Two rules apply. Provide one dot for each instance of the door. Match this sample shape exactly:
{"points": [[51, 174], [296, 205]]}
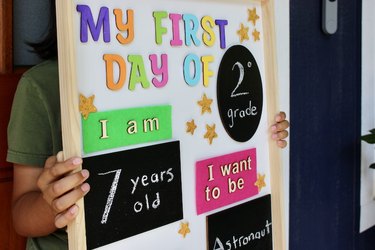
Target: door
{"points": [[325, 99], [9, 77]]}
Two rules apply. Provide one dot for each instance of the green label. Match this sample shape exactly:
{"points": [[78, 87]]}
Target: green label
{"points": [[118, 128]]}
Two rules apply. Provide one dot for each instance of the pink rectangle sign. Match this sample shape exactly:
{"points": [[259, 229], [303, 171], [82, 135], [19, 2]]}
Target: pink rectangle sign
{"points": [[226, 179]]}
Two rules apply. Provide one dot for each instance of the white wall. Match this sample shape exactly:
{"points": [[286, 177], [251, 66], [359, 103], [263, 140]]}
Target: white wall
{"points": [[282, 36], [368, 117]]}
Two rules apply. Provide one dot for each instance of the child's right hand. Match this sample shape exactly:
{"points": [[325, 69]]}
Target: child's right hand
{"points": [[62, 188]]}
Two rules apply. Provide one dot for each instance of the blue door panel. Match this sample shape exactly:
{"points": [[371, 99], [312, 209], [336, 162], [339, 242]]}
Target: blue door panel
{"points": [[325, 118]]}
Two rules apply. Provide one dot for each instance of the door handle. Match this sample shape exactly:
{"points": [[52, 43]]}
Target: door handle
{"points": [[329, 16]]}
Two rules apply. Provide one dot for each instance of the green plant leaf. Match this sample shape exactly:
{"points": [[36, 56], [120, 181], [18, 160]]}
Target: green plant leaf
{"points": [[372, 166], [372, 131], [370, 138]]}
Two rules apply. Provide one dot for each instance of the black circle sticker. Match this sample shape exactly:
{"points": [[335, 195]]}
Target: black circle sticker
{"points": [[239, 93]]}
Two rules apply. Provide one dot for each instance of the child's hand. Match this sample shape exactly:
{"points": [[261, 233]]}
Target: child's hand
{"points": [[279, 130], [61, 188]]}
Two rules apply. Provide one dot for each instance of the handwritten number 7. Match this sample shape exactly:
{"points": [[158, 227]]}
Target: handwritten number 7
{"points": [[240, 79], [111, 195]]}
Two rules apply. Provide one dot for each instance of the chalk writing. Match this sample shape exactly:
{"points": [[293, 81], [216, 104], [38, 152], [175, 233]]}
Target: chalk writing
{"points": [[138, 206], [239, 93], [167, 176], [112, 193], [139, 190], [240, 79], [240, 113], [236, 242], [243, 227]]}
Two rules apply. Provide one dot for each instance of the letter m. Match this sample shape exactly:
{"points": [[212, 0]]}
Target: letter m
{"points": [[87, 22], [150, 124]]}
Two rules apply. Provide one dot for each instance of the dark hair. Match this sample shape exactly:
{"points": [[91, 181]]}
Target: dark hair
{"points": [[46, 48]]}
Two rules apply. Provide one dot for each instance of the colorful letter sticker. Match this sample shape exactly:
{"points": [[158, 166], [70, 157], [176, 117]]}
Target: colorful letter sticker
{"points": [[226, 179], [118, 128]]}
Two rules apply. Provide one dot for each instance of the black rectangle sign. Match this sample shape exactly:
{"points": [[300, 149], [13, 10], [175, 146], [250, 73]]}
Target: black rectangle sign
{"points": [[132, 192], [244, 227]]}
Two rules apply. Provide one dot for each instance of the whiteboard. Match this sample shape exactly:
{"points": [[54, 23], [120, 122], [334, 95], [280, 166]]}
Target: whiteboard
{"points": [[204, 72]]}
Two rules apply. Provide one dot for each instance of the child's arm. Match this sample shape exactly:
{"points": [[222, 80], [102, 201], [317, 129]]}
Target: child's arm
{"points": [[279, 130], [44, 199]]}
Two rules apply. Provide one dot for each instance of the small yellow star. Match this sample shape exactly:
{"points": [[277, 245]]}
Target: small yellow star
{"points": [[205, 103], [243, 33], [210, 133], [256, 35], [253, 17], [184, 229], [260, 183], [190, 127], [86, 105]]}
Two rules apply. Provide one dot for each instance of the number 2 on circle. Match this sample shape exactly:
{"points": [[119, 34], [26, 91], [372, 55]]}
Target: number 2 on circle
{"points": [[240, 79]]}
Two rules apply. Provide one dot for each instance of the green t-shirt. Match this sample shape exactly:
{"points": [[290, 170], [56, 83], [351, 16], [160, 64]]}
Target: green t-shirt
{"points": [[34, 131]]}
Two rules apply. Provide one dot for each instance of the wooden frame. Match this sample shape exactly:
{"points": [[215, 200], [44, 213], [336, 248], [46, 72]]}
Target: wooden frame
{"points": [[277, 184], [70, 125], [71, 118]]}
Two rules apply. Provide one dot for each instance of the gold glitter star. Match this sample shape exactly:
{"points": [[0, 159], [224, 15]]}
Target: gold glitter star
{"points": [[86, 105], [190, 127], [256, 35], [210, 133], [205, 103], [260, 183], [184, 229], [243, 33], [253, 17]]}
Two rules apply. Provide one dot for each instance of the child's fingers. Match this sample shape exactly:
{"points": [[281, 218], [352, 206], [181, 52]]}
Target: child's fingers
{"points": [[280, 135], [281, 116], [279, 130], [280, 126], [282, 143], [62, 186], [62, 168], [57, 170], [50, 162], [63, 219], [67, 200], [60, 156]]}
